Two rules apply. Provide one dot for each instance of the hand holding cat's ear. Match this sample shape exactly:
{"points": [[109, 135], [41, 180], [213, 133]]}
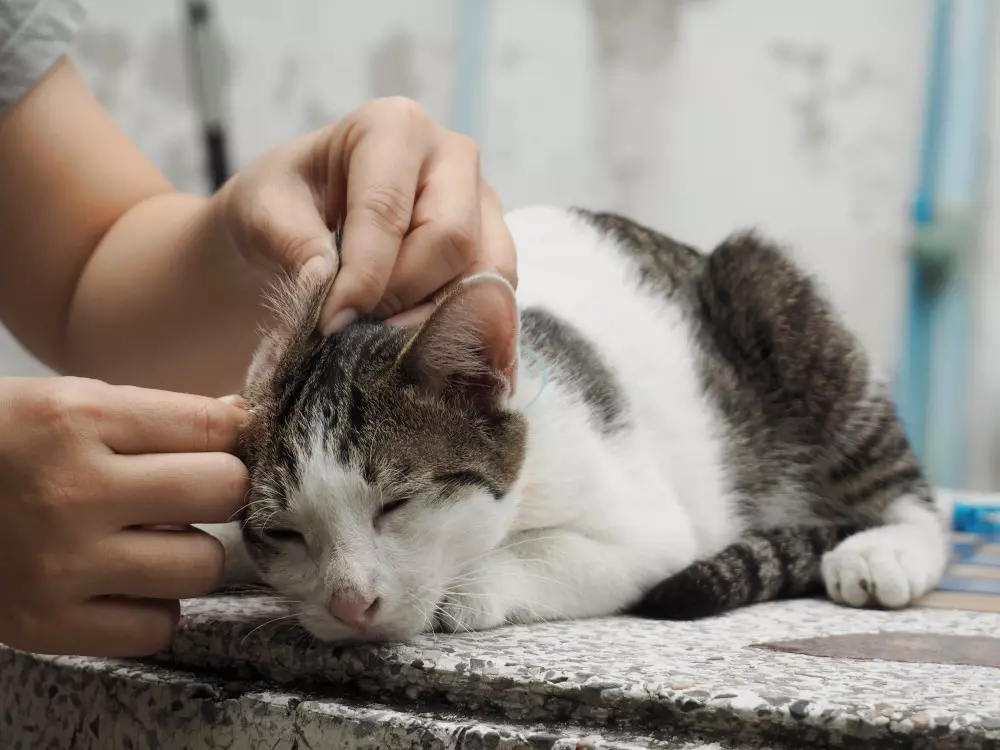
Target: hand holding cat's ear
{"points": [[97, 480], [417, 216]]}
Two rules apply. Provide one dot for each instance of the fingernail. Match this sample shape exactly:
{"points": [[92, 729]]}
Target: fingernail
{"points": [[234, 400], [340, 321], [412, 318], [317, 267]]}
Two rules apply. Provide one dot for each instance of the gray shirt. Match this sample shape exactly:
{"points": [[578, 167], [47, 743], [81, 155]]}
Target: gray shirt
{"points": [[34, 34]]}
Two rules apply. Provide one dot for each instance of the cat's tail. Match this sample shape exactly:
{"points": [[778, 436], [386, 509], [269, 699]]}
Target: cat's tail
{"points": [[778, 563]]}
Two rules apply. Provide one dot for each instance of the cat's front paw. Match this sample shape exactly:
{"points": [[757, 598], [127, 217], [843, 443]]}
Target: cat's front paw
{"points": [[468, 609], [889, 566], [460, 613]]}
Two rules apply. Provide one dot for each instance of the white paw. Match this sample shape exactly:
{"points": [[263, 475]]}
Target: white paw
{"points": [[478, 598], [469, 608], [888, 566]]}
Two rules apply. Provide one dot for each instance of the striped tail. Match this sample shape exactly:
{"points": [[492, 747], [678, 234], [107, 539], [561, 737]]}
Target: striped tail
{"points": [[760, 566]]}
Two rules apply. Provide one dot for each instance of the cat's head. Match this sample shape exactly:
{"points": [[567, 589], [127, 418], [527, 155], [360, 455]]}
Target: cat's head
{"points": [[381, 458]]}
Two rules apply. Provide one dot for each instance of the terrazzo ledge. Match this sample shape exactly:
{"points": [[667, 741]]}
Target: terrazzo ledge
{"points": [[235, 679]]}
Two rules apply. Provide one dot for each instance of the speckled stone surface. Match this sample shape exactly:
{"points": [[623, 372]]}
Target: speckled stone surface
{"points": [[634, 683], [98, 704]]}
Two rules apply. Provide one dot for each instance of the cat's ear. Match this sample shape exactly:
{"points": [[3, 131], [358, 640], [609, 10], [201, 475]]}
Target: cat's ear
{"points": [[295, 304], [468, 348], [266, 358]]}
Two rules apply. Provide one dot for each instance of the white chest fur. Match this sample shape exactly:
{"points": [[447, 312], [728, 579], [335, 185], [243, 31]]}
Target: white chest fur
{"points": [[653, 494]]}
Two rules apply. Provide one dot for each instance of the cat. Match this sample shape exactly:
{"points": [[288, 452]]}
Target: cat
{"points": [[642, 428]]}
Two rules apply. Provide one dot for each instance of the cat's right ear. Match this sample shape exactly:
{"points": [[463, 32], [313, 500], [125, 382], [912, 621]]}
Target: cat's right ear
{"points": [[468, 348]]}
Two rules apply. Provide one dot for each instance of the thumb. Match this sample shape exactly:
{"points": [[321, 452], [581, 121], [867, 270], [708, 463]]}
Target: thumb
{"points": [[280, 226]]}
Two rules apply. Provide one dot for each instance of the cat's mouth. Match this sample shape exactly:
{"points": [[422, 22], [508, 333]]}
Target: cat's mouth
{"points": [[328, 629]]}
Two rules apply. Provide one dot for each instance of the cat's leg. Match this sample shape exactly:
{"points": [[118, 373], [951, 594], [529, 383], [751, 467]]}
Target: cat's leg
{"points": [[238, 570], [893, 565], [871, 476], [832, 425], [540, 576]]}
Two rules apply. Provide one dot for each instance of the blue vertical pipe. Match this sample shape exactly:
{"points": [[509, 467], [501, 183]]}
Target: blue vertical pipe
{"points": [[470, 80], [913, 382], [957, 201], [933, 376]]}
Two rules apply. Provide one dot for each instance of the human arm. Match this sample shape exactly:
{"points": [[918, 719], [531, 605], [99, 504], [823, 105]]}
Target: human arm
{"points": [[106, 271]]}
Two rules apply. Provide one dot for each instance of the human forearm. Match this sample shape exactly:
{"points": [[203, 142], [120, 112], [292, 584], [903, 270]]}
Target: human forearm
{"points": [[164, 302], [104, 269]]}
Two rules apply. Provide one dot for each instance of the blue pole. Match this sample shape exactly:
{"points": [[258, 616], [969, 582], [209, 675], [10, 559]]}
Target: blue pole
{"points": [[957, 202], [913, 384], [473, 36]]}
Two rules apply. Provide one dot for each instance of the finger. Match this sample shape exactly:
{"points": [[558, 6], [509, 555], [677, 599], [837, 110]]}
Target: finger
{"points": [[414, 316], [176, 488], [160, 564], [444, 242], [137, 420], [234, 399], [284, 224], [382, 172], [499, 256], [112, 628], [498, 252]]}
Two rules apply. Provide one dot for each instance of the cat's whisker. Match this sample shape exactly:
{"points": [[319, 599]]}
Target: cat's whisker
{"points": [[424, 603], [256, 513], [265, 624], [471, 580], [509, 546], [249, 502]]}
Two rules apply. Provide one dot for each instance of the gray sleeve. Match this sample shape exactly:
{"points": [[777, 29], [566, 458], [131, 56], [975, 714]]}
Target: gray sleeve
{"points": [[34, 34]]}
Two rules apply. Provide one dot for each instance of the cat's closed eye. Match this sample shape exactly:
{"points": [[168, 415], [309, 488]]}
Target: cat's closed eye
{"points": [[284, 535], [392, 506]]}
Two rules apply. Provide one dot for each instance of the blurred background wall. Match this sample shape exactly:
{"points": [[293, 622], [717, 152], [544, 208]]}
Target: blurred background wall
{"points": [[800, 117]]}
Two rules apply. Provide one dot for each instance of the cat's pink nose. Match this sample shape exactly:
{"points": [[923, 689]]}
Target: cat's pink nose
{"points": [[354, 610]]}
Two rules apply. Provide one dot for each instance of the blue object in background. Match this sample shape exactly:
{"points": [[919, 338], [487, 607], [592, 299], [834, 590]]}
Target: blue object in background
{"points": [[470, 77], [976, 519], [933, 376]]}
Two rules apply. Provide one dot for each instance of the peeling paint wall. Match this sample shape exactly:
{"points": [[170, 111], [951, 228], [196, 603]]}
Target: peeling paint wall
{"points": [[700, 117], [801, 117]]}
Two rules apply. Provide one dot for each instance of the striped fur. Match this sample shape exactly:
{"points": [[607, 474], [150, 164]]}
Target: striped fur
{"points": [[692, 433], [761, 566], [807, 423]]}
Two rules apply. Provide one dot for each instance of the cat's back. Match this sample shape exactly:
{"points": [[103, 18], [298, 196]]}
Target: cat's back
{"points": [[627, 290], [565, 254], [630, 294]]}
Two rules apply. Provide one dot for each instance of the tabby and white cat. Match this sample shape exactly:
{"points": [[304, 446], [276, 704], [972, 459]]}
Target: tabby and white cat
{"points": [[643, 429]]}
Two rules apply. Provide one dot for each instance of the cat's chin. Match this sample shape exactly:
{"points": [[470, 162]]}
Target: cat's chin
{"points": [[325, 628]]}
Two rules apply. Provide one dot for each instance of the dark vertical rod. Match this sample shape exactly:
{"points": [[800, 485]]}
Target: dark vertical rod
{"points": [[206, 83]]}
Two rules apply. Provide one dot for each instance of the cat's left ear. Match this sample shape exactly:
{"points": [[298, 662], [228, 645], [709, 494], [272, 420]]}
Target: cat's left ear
{"points": [[468, 348], [296, 303]]}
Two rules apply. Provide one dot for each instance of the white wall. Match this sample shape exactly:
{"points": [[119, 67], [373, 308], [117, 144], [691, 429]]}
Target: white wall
{"points": [[983, 407], [800, 117]]}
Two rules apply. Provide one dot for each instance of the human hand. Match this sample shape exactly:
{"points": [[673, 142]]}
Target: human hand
{"points": [[417, 215], [82, 465]]}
